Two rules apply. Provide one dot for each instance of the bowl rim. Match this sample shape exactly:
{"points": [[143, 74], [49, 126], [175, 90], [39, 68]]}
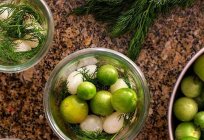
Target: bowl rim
{"points": [[43, 51], [171, 102], [74, 55]]}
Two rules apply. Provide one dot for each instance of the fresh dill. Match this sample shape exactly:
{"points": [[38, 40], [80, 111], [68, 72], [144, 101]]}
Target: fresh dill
{"points": [[62, 91], [124, 16], [23, 23], [85, 135]]}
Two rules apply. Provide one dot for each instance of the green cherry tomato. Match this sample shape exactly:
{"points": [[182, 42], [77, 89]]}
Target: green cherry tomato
{"points": [[187, 129], [199, 119], [191, 86], [86, 90], [185, 109], [124, 100], [107, 75], [198, 67], [101, 103], [73, 109]]}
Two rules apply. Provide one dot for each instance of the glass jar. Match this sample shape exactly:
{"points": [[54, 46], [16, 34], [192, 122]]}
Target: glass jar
{"points": [[93, 56], [48, 24]]}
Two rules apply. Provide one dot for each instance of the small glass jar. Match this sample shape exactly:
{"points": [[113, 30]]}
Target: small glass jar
{"points": [[48, 24], [93, 56]]}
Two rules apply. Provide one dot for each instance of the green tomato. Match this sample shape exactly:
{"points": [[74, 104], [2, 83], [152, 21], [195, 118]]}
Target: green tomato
{"points": [[101, 103], [191, 86], [198, 67], [107, 75], [86, 90], [187, 129], [124, 100], [185, 108], [73, 109], [199, 119]]}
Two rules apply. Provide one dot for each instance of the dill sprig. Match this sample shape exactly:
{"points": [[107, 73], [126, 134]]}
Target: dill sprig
{"points": [[7, 51], [15, 28], [103, 10], [134, 16], [62, 91]]}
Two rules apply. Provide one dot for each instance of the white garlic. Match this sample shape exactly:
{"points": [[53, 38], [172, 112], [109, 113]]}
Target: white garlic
{"points": [[21, 46], [91, 69], [120, 83], [32, 42], [87, 61], [73, 81], [92, 123], [113, 123], [25, 45], [5, 14]]}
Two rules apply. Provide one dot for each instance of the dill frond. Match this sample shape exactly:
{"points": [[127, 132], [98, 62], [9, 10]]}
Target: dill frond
{"points": [[62, 91], [129, 16]]}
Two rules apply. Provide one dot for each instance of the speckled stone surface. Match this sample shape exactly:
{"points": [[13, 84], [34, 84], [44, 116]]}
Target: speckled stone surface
{"points": [[172, 40]]}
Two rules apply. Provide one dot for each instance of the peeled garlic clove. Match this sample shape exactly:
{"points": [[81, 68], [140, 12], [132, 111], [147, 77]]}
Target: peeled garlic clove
{"points": [[113, 123], [120, 83], [91, 69], [21, 46], [73, 81], [87, 61], [92, 123], [5, 14], [32, 42]]}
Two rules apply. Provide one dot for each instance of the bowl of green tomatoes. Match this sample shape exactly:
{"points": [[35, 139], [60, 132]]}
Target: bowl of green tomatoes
{"points": [[186, 108], [96, 93]]}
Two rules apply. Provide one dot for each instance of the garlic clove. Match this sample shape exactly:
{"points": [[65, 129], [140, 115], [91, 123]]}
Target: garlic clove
{"points": [[21, 46], [87, 61], [32, 42], [73, 81], [120, 83], [92, 123], [91, 69], [113, 123], [5, 14]]}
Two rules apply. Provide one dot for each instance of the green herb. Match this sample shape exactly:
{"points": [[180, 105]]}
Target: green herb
{"points": [[15, 28], [129, 16], [128, 117], [62, 91], [84, 135]]}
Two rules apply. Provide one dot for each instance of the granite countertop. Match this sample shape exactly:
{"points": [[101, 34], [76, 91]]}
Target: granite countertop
{"points": [[172, 41]]}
